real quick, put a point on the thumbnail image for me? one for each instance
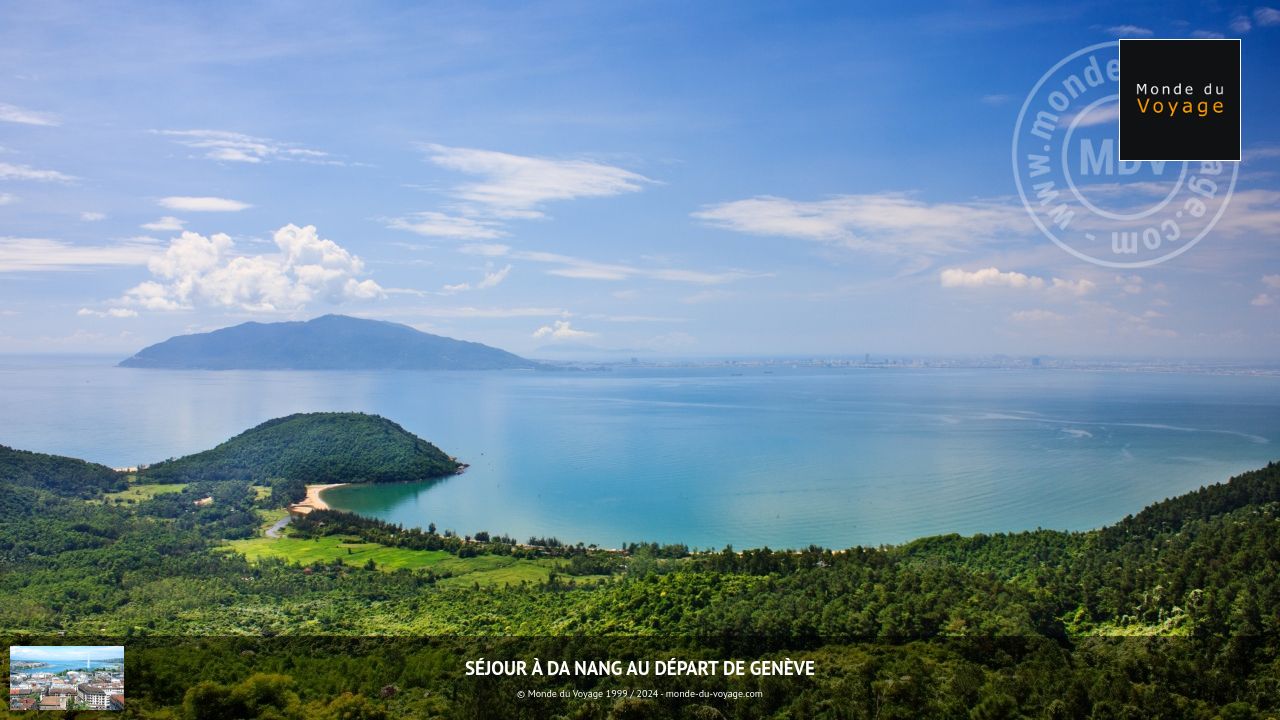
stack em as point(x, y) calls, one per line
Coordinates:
point(66, 677)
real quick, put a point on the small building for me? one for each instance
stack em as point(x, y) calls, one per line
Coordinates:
point(22, 703)
point(54, 702)
point(94, 696)
point(116, 702)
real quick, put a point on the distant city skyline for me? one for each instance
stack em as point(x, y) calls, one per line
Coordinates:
point(564, 180)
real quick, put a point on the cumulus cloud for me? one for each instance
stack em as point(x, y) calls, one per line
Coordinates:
point(168, 223)
point(43, 255)
point(1271, 281)
point(994, 277)
point(561, 330)
point(237, 147)
point(1240, 24)
point(202, 204)
point(199, 270)
point(15, 114)
point(24, 172)
point(879, 222)
point(92, 216)
point(1262, 300)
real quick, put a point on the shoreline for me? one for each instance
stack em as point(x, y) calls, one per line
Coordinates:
point(313, 500)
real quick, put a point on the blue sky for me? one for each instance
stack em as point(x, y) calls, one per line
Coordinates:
point(65, 653)
point(562, 179)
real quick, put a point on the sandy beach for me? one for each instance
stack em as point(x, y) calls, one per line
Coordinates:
point(313, 501)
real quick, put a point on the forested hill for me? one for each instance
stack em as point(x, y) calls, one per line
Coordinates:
point(62, 475)
point(330, 342)
point(1171, 613)
point(326, 447)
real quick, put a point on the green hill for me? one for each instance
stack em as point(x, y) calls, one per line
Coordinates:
point(328, 447)
point(61, 475)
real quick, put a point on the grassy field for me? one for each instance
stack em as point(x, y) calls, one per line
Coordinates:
point(484, 569)
point(139, 493)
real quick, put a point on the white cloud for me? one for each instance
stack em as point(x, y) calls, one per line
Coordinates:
point(1240, 24)
point(15, 114)
point(24, 172)
point(561, 330)
point(996, 99)
point(92, 216)
point(515, 186)
point(1262, 300)
point(1271, 281)
point(198, 270)
point(437, 224)
point(203, 204)
point(1131, 284)
point(6, 199)
point(168, 223)
point(1262, 152)
point(994, 277)
point(491, 278)
point(1100, 115)
point(1266, 16)
point(115, 312)
point(1207, 35)
point(1072, 287)
point(1251, 211)
point(485, 249)
point(581, 269)
point(1036, 317)
point(880, 222)
point(237, 147)
point(41, 255)
point(1130, 31)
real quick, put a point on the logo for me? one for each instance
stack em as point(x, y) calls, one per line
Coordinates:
point(1107, 211)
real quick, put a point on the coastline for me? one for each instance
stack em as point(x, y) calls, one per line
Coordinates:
point(313, 500)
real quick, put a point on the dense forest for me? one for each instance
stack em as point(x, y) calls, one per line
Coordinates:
point(1171, 613)
point(330, 447)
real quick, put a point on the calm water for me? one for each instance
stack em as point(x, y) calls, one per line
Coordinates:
point(833, 457)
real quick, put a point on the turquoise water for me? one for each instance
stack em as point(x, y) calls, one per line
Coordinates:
point(705, 456)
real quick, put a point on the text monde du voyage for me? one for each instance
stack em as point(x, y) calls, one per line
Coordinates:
point(1180, 99)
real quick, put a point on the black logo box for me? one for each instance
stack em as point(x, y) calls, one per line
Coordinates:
point(1184, 65)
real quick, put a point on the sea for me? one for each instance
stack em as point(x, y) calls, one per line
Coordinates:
point(748, 456)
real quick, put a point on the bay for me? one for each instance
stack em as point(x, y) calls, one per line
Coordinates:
point(704, 456)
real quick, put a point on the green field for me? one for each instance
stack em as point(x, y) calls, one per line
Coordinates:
point(139, 493)
point(484, 569)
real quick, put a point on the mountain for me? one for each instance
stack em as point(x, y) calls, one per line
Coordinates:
point(330, 342)
point(327, 447)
